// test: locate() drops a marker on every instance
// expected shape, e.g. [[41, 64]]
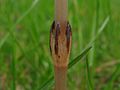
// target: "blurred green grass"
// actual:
[[24, 42]]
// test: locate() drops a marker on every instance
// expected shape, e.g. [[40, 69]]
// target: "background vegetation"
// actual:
[[25, 60]]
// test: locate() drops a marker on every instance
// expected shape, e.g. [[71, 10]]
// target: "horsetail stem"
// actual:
[[61, 11], [60, 44]]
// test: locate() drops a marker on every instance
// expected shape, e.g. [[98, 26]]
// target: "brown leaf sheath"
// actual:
[[60, 43]]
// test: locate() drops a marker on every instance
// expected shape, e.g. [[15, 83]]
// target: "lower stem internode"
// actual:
[[60, 78]]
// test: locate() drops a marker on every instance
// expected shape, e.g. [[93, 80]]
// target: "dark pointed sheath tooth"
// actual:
[[57, 32], [52, 27], [68, 35], [51, 32]]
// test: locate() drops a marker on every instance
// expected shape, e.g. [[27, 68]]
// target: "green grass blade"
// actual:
[[76, 60], [47, 83], [3, 40], [92, 51], [100, 30], [90, 84]]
